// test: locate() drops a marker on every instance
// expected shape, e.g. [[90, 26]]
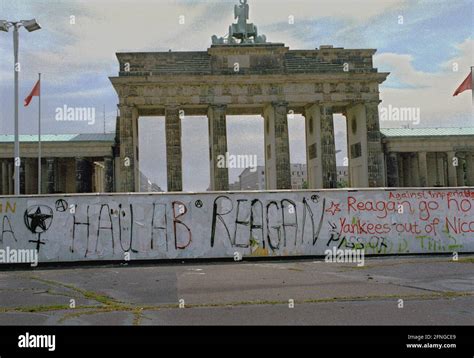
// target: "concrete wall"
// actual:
[[211, 225]]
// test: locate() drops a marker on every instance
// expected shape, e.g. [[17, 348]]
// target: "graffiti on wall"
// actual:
[[212, 225]]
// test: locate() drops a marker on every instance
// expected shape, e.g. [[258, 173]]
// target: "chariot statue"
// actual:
[[243, 31]]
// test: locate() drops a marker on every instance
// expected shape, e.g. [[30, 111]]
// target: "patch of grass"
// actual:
[[109, 304], [94, 310], [449, 294], [55, 293], [138, 315], [90, 295], [41, 308]]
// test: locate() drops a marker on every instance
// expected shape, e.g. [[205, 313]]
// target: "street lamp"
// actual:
[[29, 25], [4, 25]]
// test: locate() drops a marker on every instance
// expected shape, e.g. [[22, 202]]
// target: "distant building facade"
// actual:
[[235, 186], [71, 163], [426, 157], [146, 185], [342, 175], [252, 179], [298, 176]]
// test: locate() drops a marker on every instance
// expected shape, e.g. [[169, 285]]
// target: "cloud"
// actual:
[[80, 94], [402, 70], [265, 12], [432, 92], [68, 50]]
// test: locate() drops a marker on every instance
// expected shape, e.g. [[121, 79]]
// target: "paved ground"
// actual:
[[435, 290]]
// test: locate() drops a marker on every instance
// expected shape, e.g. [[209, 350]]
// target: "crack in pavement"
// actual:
[[139, 310]]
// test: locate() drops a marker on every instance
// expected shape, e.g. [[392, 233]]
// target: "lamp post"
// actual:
[[29, 25]]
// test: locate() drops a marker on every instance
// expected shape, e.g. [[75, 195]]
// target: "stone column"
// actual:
[[431, 163], [407, 180], [173, 149], [392, 170], [116, 156], [440, 159], [51, 175], [320, 147], [128, 149], [313, 147], [4, 174], [414, 171], [216, 116], [470, 169], [10, 171], [22, 176], [375, 157], [31, 176], [277, 147], [108, 174], [460, 171], [83, 175], [422, 169], [97, 178], [328, 148], [401, 174], [452, 170]]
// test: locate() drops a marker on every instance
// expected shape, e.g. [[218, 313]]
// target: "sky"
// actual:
[[426, 45]]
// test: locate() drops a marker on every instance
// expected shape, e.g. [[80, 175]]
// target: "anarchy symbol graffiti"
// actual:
[[315, 198], [198, 204], [61, 205]]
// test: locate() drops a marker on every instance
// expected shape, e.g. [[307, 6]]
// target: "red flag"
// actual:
[[465, 85], [34, 92]]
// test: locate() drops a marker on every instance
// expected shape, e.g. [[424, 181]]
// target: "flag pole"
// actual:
[[39, 135], [472, 82]]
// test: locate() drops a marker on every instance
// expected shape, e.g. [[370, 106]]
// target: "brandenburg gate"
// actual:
[[243, 74]]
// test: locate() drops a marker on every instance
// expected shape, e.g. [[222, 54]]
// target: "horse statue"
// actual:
[[243, 31]]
